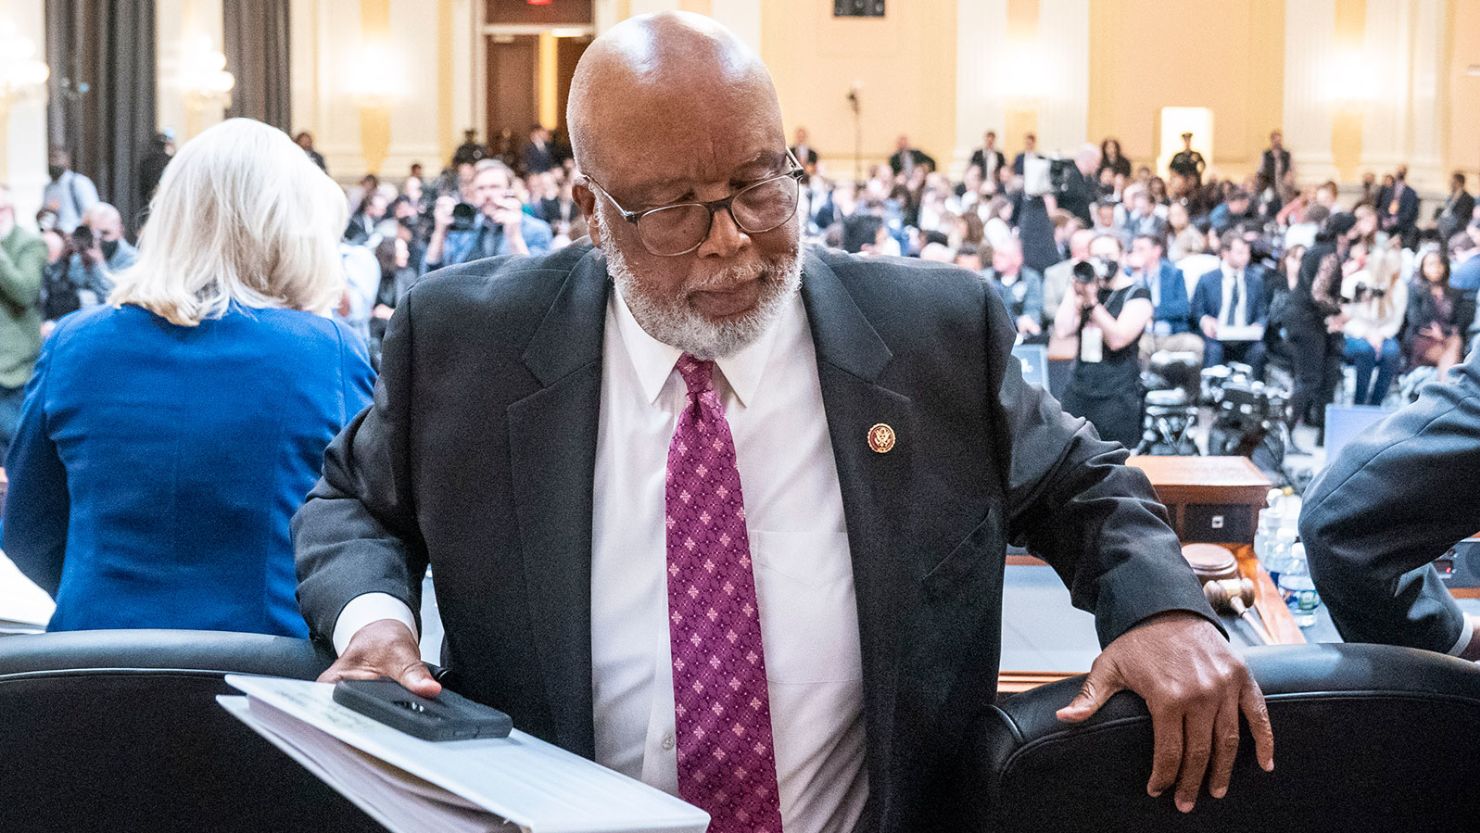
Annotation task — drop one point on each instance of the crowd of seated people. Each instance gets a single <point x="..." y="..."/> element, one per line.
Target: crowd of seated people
<point x="1253" y="270"/>
<point x="1100" y="260"/>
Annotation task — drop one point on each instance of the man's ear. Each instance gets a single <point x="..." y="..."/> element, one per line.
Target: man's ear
<point x="586" y="199"/>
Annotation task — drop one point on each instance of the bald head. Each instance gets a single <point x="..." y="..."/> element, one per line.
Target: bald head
<point x="671" y="111"/>
<point x="663" y="82"/>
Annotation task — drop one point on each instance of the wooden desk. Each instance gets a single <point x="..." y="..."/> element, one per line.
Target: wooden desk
<point x="1211" y="500"/>
<point x="1198" y="491"/>
<point x="1216" y="500"/>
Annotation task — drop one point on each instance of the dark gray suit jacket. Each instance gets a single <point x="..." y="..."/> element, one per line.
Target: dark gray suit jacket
<point x="479" y="453"/>
<point x="1396" y="499"/>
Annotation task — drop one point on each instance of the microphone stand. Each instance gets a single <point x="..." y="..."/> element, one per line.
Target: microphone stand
<point x="857" y="108"/>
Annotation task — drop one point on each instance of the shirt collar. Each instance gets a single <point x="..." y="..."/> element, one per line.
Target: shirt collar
<point x="654" y="361"/>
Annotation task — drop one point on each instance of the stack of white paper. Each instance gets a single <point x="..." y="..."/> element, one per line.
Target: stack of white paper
<point x="24" y="607"/>
<point x="409" y="784"/>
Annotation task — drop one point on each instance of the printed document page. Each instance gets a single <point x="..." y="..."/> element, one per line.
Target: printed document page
<point x="470" y="785"/>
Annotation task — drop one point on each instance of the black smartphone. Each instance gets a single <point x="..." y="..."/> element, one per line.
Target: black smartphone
<point x="448" y="716"/>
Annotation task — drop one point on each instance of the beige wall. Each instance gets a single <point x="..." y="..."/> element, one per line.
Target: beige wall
<point x="1149" y="54"/>
<point x="904" y="64"/>
<point x="925" y="70"/>
<point x="1463" y="129"/>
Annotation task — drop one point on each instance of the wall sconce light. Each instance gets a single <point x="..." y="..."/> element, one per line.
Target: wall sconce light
<point x="377" y="80"/>
<point x="203" y="76"/>
<point x="1021" y="70"/>
<point x="22" y="76"/>
<point x="1350" y="81"/>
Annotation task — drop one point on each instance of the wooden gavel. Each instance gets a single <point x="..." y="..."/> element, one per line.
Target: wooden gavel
<point x="1224" y="589"/>
<point x="1236" y="594"/>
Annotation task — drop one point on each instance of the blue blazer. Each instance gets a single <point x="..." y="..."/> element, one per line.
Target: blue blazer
<point x="156" y="467"/>
<point x="1207" y="298"/>
<point x="1174" y="308"/>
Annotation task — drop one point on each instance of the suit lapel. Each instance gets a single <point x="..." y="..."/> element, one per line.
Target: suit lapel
<point x="552" y="442"/>
<point x="851" y="358"/>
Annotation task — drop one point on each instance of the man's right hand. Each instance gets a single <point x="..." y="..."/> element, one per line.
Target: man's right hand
<point x="384" y="648"/>
<point x="442" y="213"/>
<point x="1209" y="327"/>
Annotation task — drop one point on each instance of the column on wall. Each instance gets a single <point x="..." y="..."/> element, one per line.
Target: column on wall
<point x="1387" y="48"/>
<point x="383" y="89"/>
<point x="23" y="123"/>
<point x="982" y="92"/>
<point x="1406" y="41"/>
<point x="636" y="7"/>
<point x="1022" y="66"/>
<point x="743" y="17"/>
<point x="414" y="123"/>
<point x="327" y="60"/>
<point x="190" y="40"/>
<point x="1310" y="79"/>
<point x="1063" y="41"/>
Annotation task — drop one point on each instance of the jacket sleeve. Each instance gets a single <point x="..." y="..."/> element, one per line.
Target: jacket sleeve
<point x="1075" y="503"/>
<point x="1260" y="300"/>
<point x="1033" y="297"/>
<point x="37" y="504"/>
<point x="20" y="276"/>
<point x="357" y="533"/>
<point x="1175" y="304"/>
<point x="1395" y="500"/>
<point x="1200" y="303"/>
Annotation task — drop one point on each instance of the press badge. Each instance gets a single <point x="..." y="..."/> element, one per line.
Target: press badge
<point x="1091" y="345"/>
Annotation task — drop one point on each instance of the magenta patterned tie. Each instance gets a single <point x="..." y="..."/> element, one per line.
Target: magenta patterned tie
<point x="726" y="764"/>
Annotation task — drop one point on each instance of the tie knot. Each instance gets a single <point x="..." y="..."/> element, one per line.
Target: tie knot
<point x="697" y="374"/>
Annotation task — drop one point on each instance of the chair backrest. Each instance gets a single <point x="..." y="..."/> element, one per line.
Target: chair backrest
<point x="1345" y="423"/>
<point x="1034" y="359"/>
<point x="120" y="730"/>
<point x="1367" y="737"/>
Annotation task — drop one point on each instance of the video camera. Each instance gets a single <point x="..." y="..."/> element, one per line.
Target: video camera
<point x="1092" y="270"/>
<point x="1059" y="173"/>
<point x="464" y="216"/>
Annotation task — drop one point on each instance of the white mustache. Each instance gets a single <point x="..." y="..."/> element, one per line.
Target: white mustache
<point x="731" y="276"/>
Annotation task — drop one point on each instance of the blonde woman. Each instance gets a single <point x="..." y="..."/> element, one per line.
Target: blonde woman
<point x="1373" y="317"/>
<point x="168" y="437"/>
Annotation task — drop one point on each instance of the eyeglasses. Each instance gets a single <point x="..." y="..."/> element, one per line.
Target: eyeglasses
<point x="673" y="230"/>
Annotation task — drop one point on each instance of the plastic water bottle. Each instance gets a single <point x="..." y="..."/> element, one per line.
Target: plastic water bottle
<point x="1298" y="589"/>
<point x="1270" y="518"/>
<point x="1281" y="551"/>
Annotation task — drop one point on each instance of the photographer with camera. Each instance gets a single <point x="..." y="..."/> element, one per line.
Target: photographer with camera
<point x="1108" y="311"/>
<point x="96" y="251"/>
<point x="1374" y="301"/>
<point x="495" y="223"/>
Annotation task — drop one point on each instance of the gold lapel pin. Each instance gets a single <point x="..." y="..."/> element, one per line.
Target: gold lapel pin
<point x="881" y="438"/>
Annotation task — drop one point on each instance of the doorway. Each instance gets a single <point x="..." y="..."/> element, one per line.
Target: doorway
<point x="530" y="55"/>
<point x="513" y="86"/>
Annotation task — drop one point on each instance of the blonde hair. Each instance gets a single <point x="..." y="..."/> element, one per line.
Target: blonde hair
<point x="1383" y="268"/>
<point x="241" y="215"/>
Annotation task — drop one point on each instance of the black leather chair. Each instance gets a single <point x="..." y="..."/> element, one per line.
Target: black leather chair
<point x="1367" y="738"/>
<point x="121" y="731"/>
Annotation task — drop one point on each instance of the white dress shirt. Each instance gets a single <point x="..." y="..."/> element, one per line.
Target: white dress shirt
<point x="803" y="570"/>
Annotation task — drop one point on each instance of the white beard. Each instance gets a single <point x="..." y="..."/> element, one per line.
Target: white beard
<point x="672" y="321"/>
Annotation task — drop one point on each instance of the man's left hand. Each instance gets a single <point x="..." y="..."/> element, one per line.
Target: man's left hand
<point x="1195" y="687"/>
